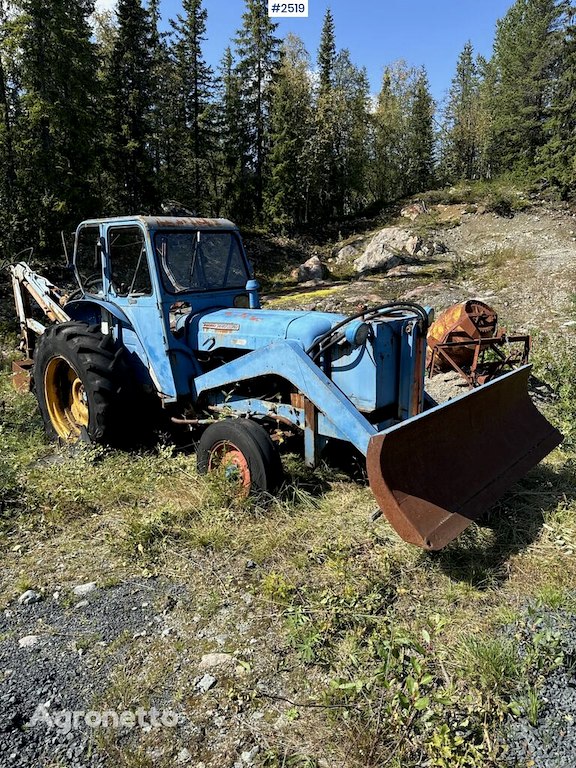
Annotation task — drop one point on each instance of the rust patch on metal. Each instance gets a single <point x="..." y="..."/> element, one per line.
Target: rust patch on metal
<point x="170" y="222"/>
<point x="297" y="400"/>
<point x="437" y="473"/>
<point x="466" y="339"/>
<point x="22" y="375"/>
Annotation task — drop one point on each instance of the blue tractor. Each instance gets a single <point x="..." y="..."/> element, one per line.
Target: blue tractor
<point x="167" y="310"/>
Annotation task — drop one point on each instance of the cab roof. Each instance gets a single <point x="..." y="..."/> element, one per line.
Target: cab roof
<point x="166" y="222"/>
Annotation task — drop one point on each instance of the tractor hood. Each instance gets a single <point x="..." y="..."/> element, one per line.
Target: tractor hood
<point x="248" y="329"/>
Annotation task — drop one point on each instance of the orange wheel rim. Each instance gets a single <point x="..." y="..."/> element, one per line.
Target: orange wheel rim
<point x="230" y="460"/>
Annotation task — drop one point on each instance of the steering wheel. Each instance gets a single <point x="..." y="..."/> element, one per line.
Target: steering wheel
<point x="92" y="280"/>
<point x="93" y="283"/>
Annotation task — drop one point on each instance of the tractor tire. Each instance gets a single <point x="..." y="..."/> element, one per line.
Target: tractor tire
<point x="79" y="375"/>
<point x="244" y="449"/>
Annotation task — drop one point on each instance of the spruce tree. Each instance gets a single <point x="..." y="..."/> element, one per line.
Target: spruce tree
<point x="487" y="147"/>
<point x="57" y="118"/>
<point x="327" y="52"/>
<point x="325" y="197"/>
<point x="9" y="205"/>
<point x="130" y="184"/>
<point x="287" y="191"/>
<point x="194" y="88"/>
<point x="230" y="182"/>
<point x="525" y="57"/>
<point x="462" y="114"/>
<point x="258" y="51"/>
<point x="557" y="158"/>
<point x="159" y="91"/>
<point x="421" y="136"/>
<point x="352" y="118"/>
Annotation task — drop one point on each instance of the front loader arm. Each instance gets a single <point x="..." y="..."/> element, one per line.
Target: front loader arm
<point x="288" y="360"/>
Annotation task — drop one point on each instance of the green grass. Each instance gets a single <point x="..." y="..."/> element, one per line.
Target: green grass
<point x="386" y="655"/>
<point x="504" y="196"/>
<point x="501" y="256"/>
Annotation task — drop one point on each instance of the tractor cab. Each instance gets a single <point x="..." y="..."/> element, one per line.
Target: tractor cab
<point x="133" y="257"/>
<point x="140" y="277"/>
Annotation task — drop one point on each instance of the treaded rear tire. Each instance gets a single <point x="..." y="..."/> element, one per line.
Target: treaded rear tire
<point x="76" y="348"/>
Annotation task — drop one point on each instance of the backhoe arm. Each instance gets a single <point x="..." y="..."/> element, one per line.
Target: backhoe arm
<point x="27" y="283"/>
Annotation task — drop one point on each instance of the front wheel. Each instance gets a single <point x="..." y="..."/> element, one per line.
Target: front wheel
<point x="245" y="453"/>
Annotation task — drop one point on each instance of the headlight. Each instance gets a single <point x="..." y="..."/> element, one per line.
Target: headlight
<point x="241" y="301"/>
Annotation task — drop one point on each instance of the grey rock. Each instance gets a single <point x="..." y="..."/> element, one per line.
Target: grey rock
<point x="212" y="660"/>
<point x="385" y="249"/>
<point x="28" y="641"/>
<point x="81" y="604"/>
<point x="248" y="756"/>
<point x="184" y="756"/>
<point x="84" y="589"/>
<point x="427" y="250"/>
<point x="349" y="252"/>
<point x="313" y="269"/>
<point x="413" y="245"/>
<point x="413" y="210"/>
<point x="29" y="597"/>
<point x="206" y="683"/>
<point x="378" y="256"/>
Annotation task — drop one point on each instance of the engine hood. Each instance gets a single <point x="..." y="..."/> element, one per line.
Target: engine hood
<point x="254" y="328"/>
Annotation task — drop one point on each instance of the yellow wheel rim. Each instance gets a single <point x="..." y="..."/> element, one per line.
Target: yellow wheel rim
<point x="66" y="399"/>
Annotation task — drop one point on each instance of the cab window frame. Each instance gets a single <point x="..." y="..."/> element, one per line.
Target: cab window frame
<point x="97" y="268"/>
<point x="141" y="266"/>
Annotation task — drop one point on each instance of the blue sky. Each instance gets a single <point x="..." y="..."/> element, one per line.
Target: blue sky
<point x="377" y="32"/>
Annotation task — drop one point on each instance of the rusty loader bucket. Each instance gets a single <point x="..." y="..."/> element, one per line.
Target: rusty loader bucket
<point x="437" y="472"/>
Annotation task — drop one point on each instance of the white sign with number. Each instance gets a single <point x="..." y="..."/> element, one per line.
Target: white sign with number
<point x="279" y="9"/>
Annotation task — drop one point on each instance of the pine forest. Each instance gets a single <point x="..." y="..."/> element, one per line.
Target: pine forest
<point x="109" y="114"/>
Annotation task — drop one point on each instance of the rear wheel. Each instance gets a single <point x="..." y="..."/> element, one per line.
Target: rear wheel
<point x="78" y="376"/>
<point x="244" y="451"/>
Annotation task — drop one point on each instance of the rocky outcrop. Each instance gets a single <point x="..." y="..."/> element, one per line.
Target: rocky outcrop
<point x="313" y="269"/>
<point x="413" y="210"/>
<point x="385" y="250"/>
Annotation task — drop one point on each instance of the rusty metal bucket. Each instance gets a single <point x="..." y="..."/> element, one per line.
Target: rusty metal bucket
<point x="436" y="473"/>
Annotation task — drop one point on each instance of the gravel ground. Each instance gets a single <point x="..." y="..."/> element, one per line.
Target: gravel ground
<point x="137" y="646"/>
<point x="59" y="655"/>
<point x="546" y="737"/>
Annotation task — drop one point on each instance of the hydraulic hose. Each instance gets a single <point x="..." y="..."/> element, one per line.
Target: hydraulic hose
<point x="332" y="337"/>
